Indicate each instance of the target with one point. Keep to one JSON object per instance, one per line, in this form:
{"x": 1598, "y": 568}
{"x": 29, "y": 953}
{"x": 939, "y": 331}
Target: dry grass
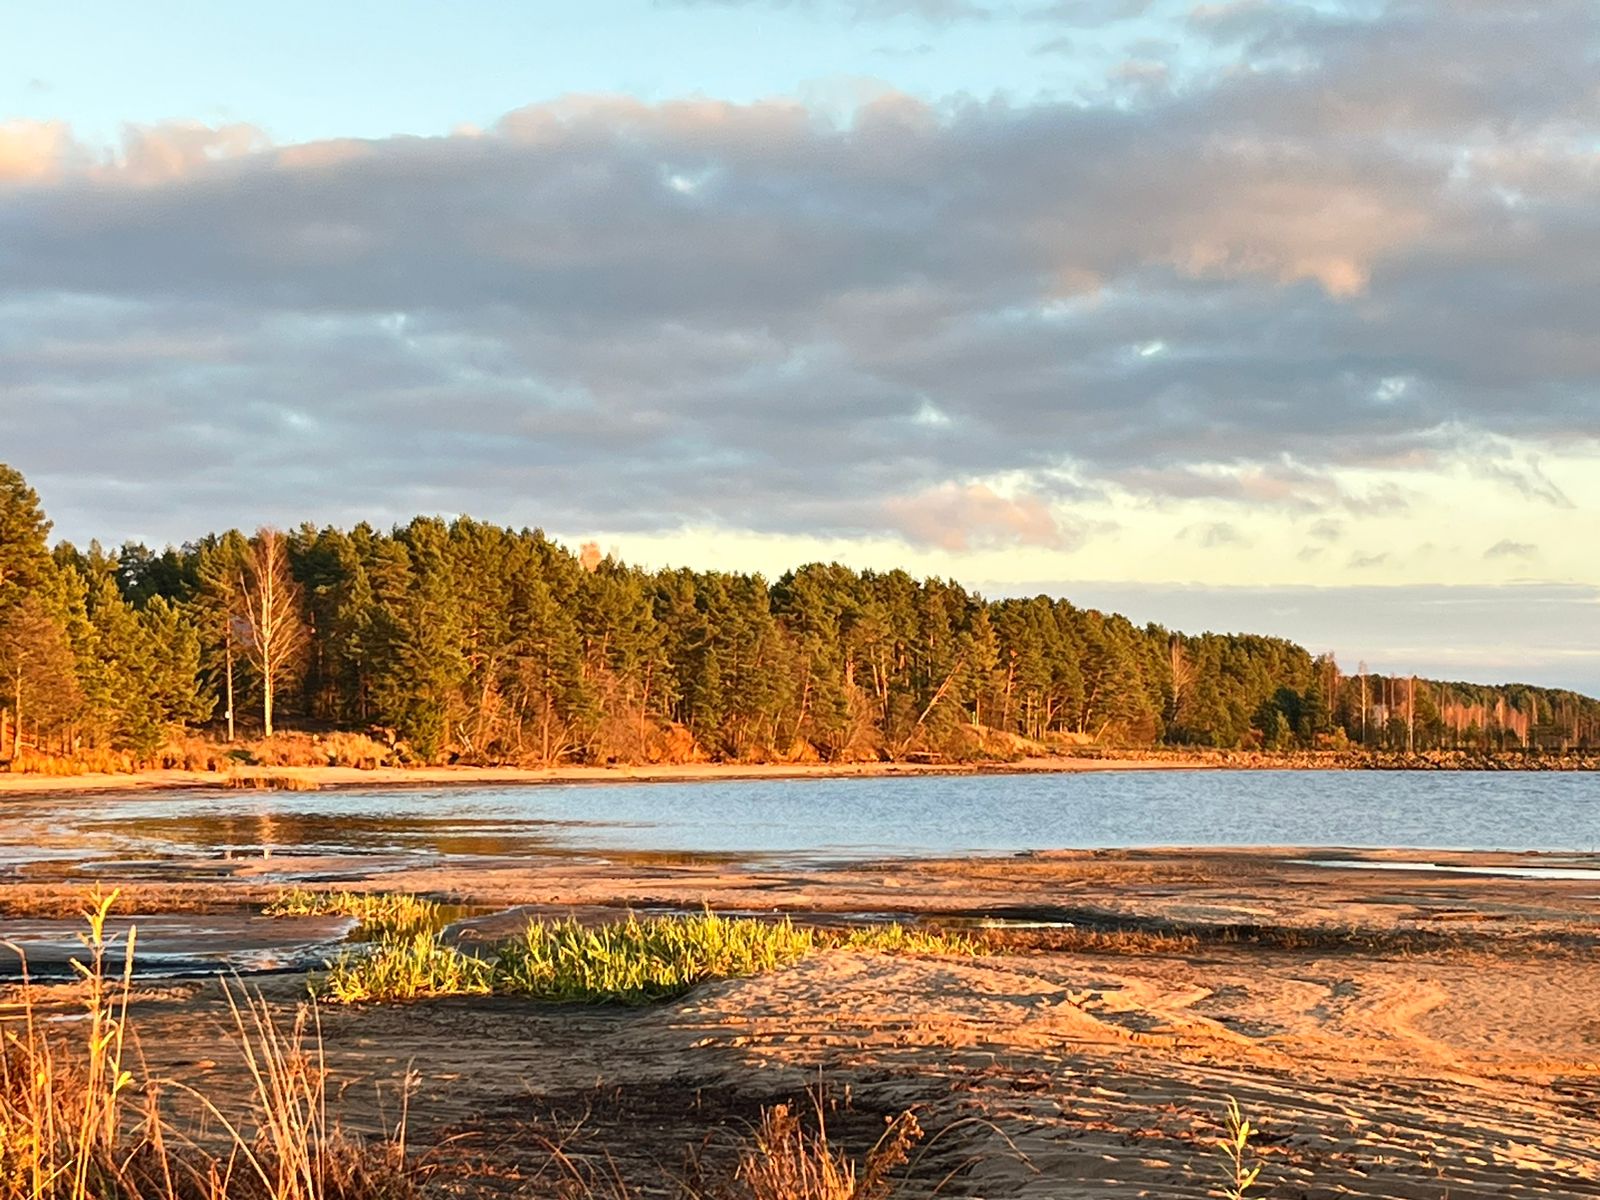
{"x": 60, "y": 1120}
{"x": 310, "y": 750}
{"x": 76, "y": 1123}
{"x": 190, "y": 753}
{"x": 269, "y": 781}
{"x": 83, "y": 762}
{"x": 786, "y": 1161}
{"x": 1138, "y": 939}
{"x": 65, "y": 901}
{"x": 897, "y": 938}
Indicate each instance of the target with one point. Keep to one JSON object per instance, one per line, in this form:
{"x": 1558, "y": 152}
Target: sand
{"x": 1400, "y": 1035}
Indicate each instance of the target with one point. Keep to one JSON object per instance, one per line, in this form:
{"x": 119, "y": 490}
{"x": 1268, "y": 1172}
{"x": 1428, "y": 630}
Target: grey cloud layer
{"x": 1380, "y": 247}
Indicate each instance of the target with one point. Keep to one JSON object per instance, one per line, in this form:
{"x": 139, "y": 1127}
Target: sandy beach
{"x": 1394, "y": 1033}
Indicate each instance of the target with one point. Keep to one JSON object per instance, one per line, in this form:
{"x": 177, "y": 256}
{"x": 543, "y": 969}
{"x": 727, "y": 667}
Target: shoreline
{"x": 1397, "y": 1035}
{"x": 335, "y": 777}
{"x": 349, "y": 777}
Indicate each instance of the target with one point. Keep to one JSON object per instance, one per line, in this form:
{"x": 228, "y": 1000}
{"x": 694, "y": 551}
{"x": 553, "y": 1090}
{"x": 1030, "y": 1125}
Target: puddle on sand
{"x": 172, "y": 945}
{"x": 1511, "y": 872}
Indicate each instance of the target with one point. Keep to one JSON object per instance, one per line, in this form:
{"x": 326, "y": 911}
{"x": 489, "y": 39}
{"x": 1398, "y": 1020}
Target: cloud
{"x": 640, "y": 316}
{"x": 31, "y": 151}
{"x": 1506, "y": 548}
{"x": 1527, "y": 479}
{"x": 954, "y": 517}
{"x": 1214, "y": 535}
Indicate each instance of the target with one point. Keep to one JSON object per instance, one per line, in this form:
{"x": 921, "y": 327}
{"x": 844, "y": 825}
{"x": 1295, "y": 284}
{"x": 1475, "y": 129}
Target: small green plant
{"x": 638, "y": 961}
{"x": 632, "y": 961}
{"x": 405, "y": 967}
{"x": 379, "y": 914}
{"x": 1242, "y": 1173}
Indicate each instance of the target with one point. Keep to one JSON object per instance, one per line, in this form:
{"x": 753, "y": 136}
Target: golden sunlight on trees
{"x": 36, "y": 666}
{"x": 465, "y": 641}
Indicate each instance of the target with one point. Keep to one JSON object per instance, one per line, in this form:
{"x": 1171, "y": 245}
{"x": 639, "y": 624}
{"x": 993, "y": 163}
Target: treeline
{"x": 458, "y": 640}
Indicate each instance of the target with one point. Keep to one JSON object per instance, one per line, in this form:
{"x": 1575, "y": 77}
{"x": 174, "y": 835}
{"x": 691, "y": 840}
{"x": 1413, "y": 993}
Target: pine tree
{"x": 554, "y": 699}
{"x": 37, "y": 673}
{"x": 25, "y": 564}
{"x": 215, "y": 611}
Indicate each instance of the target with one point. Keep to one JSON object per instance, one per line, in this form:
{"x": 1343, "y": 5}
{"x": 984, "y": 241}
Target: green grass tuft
{"x": 638, "y": 961}
{"x": 381, "y": 915}
{"x": 410, "y": 966}
{"x": 632, "y": 961}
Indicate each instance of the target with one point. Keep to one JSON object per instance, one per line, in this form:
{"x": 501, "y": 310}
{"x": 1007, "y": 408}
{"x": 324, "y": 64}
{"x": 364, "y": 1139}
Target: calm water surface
{"x": 827, "y": 818}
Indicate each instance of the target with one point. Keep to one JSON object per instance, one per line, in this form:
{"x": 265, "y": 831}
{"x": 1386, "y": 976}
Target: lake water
{"x": 812, "y": 819}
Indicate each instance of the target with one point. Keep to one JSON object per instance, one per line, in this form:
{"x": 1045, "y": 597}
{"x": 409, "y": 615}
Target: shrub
{"x": 308, "y": 750}
{"x": 354, "y": 750}
{"x": 287, "y": 750}
{"x": 190, "y": 753}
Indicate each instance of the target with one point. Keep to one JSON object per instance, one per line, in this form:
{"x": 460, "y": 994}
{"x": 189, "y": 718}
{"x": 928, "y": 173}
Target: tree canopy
{"x": 461, "y": 639}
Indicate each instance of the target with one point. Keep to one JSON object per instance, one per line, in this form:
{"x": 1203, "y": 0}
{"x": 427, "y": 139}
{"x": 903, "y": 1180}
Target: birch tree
{"x": 273, "y": 633}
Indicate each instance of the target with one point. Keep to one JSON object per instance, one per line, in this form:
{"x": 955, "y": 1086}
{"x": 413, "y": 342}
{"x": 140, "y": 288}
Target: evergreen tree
{"x": 37, "y": 676}
{"x": 25, "y": 564}
{"x": 466, "y": 639}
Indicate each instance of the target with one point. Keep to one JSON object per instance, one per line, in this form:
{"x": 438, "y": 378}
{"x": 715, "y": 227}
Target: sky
{"x": 1278, "y": 317}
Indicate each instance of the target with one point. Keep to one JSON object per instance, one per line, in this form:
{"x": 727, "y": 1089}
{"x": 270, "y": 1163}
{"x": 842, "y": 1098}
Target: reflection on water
{"x": 807, "y": 820}
{"x": 342, "y": 831}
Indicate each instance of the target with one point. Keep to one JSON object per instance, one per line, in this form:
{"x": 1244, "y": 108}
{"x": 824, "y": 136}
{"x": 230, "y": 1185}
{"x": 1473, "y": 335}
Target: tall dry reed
{"x": 76, "y": 1123}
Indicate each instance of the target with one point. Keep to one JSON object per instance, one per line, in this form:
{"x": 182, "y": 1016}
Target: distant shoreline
{"x": 317, "y": 778}
{"x": 340, "y": 777}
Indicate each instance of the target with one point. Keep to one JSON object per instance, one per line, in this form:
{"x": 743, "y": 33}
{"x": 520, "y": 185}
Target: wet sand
{"x": 1394, "y": 1033}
